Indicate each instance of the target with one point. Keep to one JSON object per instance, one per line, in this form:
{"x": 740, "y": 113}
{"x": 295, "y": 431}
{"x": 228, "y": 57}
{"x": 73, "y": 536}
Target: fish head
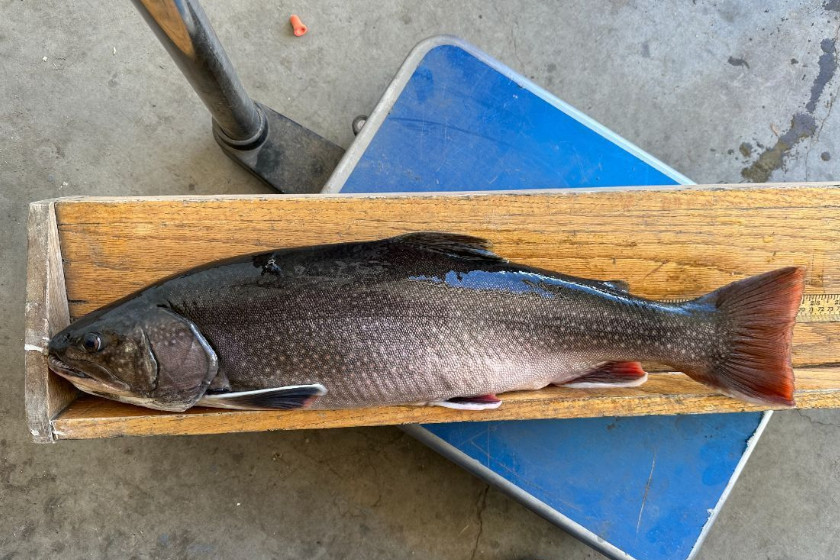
{"x": 136, "y": 352}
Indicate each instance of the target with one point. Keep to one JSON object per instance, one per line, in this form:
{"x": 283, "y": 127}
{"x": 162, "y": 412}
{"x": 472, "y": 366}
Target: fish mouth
{"x": 84, "y": 381}
{"x": 64, "y": 369}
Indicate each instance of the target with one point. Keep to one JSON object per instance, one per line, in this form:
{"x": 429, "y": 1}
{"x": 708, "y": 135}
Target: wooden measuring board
{"x": 667, "y": 242}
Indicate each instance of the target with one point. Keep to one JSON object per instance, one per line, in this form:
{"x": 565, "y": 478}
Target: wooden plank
{"x": 667, "y": 393}
{"x": 667, "y": 242}
{"x": 46, "y": 313}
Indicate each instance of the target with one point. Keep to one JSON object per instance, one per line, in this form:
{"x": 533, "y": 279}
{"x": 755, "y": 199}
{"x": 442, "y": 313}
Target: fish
{"x": 425, "y": 318}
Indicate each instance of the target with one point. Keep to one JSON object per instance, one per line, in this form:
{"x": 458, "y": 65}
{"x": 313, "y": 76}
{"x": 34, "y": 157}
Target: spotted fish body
{"x": 420, "y": 318}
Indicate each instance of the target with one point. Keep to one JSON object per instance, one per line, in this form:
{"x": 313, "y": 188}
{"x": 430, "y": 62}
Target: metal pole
{"x": 282, "y": 153}
{"x": 182, "y": 27}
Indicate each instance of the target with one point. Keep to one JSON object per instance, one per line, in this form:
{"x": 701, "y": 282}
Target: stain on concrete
{"x": 646, "y": 49}
{"x": 746, "y": 149}
{"x": 738, "y": 62}
{"x": 181, "y": 544}
{"x": 51, "y": 511}
{"x": 828, "y": 65}
{"x": 27, "y": 530}
{"x": 825, "y": 156}
{"x": 832, "y": 5}
{"x": 802, "y": 125}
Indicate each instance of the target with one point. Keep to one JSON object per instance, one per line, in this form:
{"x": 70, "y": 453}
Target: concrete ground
{"x": 90, "y": 104}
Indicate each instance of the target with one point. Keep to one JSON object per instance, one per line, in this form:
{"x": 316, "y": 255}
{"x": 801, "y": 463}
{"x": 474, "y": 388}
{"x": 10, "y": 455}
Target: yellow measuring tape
{"x": 815, "y": 308}
{"x": 819, "y": 308}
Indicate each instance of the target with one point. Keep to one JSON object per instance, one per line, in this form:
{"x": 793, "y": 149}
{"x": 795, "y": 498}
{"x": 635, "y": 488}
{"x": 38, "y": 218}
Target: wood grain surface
{"x": 667, "y": 243}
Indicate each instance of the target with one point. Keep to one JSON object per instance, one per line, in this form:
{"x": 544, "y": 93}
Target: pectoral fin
{"x": 278, "y": 398}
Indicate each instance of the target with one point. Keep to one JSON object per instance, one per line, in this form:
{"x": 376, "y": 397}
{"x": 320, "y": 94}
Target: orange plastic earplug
{"x": 297, "y": 26}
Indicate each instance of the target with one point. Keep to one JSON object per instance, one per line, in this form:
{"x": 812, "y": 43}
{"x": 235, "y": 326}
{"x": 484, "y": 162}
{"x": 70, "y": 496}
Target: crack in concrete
{"x": 481, "y": 504}
{"x": 832, "y": 97}
{"x": 813, "y": 421}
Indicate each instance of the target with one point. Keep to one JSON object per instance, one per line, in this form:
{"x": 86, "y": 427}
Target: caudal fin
{"x": 758, "y": 315}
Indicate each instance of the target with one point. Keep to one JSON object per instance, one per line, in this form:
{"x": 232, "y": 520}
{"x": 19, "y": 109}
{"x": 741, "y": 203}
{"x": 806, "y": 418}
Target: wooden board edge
{"x": 436, "y": 194}
{"x": 46, "y": 312}
{"x": 91, "y": 423}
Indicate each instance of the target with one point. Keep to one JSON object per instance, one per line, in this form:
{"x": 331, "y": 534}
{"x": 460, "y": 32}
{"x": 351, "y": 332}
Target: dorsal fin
{"x": 453, "y": 244}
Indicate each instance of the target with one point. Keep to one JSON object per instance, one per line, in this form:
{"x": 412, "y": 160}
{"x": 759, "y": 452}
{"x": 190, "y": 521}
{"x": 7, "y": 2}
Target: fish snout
{"x": 57, "y": 350}
{"x": 59, "y": 343}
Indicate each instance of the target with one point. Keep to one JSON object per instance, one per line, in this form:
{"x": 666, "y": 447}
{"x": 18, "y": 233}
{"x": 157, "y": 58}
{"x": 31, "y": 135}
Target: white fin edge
{"x": 320, "y": 391}
{"x": 467, "y": 405}
{"x": 591, "y": 385}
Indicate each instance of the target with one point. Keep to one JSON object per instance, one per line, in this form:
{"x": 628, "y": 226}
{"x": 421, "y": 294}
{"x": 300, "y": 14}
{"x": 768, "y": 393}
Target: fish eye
{"x": 92, "y": 342}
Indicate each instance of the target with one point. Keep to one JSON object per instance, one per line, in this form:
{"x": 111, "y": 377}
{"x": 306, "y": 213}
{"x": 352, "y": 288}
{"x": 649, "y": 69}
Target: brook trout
{"x": 423, "y": 318}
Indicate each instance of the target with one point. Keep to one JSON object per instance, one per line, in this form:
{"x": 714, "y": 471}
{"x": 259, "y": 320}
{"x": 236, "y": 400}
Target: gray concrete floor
{"x": 90, "y": 104}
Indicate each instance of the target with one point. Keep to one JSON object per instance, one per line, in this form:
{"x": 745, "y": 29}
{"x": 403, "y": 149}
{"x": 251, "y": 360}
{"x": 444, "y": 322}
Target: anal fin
{"x": 277, "y": 398}
{"x": 611, "y": 374}
{"x": 480, "y": 402}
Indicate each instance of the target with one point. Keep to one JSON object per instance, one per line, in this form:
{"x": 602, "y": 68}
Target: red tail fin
{"x": 759, "y": 313}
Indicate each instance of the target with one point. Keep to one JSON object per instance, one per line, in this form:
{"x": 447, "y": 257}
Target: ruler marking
{"x": 815, "y": 308}
{"x": 819, "y": 308}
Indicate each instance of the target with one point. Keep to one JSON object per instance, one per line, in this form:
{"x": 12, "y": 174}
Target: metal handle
{"x": 182, "y": 27}
{"x": 279, "y": 151}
